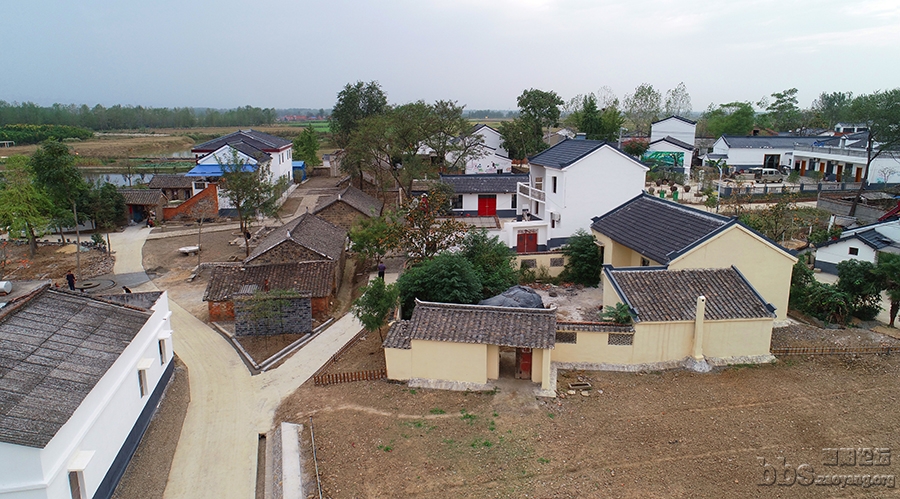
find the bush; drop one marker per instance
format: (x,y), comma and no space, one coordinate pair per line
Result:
(584,261)
(446,278)
(617,313)
(35,134)
(492,261)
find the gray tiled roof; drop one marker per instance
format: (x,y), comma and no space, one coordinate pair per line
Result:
(251,151)
(671,295)
(54,348)
(680,118)
(657,228)
(165,181)
(566,152)
(227,280)
(484,183)
(357,199)
(259,140)
(672,140)
(768,142)
(451,322)
(308,231)
(143,197)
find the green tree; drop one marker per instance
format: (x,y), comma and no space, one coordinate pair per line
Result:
(492,260)
(863,285)
(306,147)
(783,112)
(643,107)
(106,207)
(734,118)
(249,188)
(888,270)
(881,112)
(421,231)
(446,278)
(55,172)
(636,147)
(371,237)
(618,313)
(678,101)
(374,306)
(584,261)
(833,107)
(449,135)
(355,102)
(541,107)
(522,137)
(23,206)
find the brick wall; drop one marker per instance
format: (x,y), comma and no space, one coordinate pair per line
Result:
(220,311)
(285,252)
(192,208)
(264,316)
(340,214)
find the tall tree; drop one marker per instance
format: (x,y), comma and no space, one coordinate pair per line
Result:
(421,229)
(734,118)
(306,147)
(492,260)
(449,135)
(55,172)
(833,107)
(106,207)
(783,112)
(881,113)
(374,306)
(522,137)
(355,102)
(643,107)
(249,188)
(23,206)
(541,107)
(678,101)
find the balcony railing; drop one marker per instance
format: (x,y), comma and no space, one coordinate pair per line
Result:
(531,193)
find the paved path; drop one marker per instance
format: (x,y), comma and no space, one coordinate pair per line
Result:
(217,450)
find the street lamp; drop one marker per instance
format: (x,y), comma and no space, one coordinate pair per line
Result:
(621,130)
(718,186)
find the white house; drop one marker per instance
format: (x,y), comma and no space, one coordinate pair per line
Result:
(669,152)
(485,195)
(843,158)
(80,379)
(862,243)
(759,151)
(681,129)
(484,147)
(569,184)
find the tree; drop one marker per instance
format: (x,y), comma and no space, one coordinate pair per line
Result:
(833,107)
(371,237)
(420,231)
(522,137)
(584,262)
(618,313)
(783,112)
(643,107)
(55,172)
(23,206)
(249,188)
(888,270)
(106,207)
(678,101)
(881,112)
(734,118)
(541,107)
(355,102)
(306,147)
(863,285)
(492,261)
(636,147)
(374,306)
(446,278)
(449,135)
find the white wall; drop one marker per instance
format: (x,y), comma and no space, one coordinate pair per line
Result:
(99,425)
(674,128)
(687,156)
(840,251)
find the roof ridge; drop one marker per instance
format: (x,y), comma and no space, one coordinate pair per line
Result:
(467,306)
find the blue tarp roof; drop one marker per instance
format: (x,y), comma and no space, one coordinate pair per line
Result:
(212,170)
(298,164)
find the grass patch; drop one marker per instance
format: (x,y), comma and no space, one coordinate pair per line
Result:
(468,418)
(437,411)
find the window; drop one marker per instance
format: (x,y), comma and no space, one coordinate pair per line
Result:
(539,183)
(512,203)
(557,262)
(530,263)
(457,202)
(76,485)
(554,185)
(162,352)
(771,160)
(566,337)
(620,339)
(645,262)
(142,382)
(854,251)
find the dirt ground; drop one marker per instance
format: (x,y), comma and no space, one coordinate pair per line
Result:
(574,303)
(52,262)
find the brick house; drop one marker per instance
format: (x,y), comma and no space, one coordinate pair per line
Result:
(348,206)
(229,281)
(141,203)
(175,187)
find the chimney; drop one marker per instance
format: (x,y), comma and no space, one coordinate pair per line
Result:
(698,329)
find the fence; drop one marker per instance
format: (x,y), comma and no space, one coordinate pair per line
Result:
(880,350)
(340,352)
(335,378)
(765,189)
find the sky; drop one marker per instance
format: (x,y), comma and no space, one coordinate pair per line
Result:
(480,53)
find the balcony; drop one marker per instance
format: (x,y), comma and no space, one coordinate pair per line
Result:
(531,193)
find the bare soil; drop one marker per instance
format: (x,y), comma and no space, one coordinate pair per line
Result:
(574,303)
(803,335)
(51,261)
(660,434)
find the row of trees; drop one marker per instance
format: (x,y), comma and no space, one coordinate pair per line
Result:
(47,191)
(131,117)
(399,142)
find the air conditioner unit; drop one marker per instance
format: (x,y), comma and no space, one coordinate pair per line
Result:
(554,216)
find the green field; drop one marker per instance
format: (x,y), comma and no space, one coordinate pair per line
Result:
(318,126)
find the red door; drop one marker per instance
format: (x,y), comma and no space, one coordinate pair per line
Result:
(523,363)
(487,205)
(526,242)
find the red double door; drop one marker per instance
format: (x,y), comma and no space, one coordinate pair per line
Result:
(526,242)
(487,205)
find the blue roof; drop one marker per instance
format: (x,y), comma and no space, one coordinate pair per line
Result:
(212,170)
(298,164)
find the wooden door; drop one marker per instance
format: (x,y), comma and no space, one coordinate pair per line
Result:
(526,242)
(487,205)
(523,363)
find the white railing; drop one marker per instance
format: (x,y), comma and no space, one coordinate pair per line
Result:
(531,193)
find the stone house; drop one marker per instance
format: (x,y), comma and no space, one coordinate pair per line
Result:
(144,203)
(347,207)
(174,187)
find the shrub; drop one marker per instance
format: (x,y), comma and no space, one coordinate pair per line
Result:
(617,313)
(447,278)
(584,261)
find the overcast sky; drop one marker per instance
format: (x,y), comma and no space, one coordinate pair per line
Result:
(481,53)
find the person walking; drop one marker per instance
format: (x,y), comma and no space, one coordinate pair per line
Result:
(70,278)
(381,269)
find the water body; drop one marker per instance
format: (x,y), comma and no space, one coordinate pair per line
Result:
(118,179)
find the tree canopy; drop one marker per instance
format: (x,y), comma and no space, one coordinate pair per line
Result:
(23,206)
(733,118)
(354,103)
(446,278)
(583,262)
(249,189)
(678,101)
(643,107)
(492,261)
(374,306)
(306,147)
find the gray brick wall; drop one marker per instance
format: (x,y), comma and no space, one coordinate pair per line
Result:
(264,316)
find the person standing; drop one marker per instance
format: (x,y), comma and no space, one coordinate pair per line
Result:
(70,278)
(381,269)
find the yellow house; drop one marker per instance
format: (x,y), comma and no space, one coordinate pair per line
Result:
(649,231)
(691,318)
(447,345)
